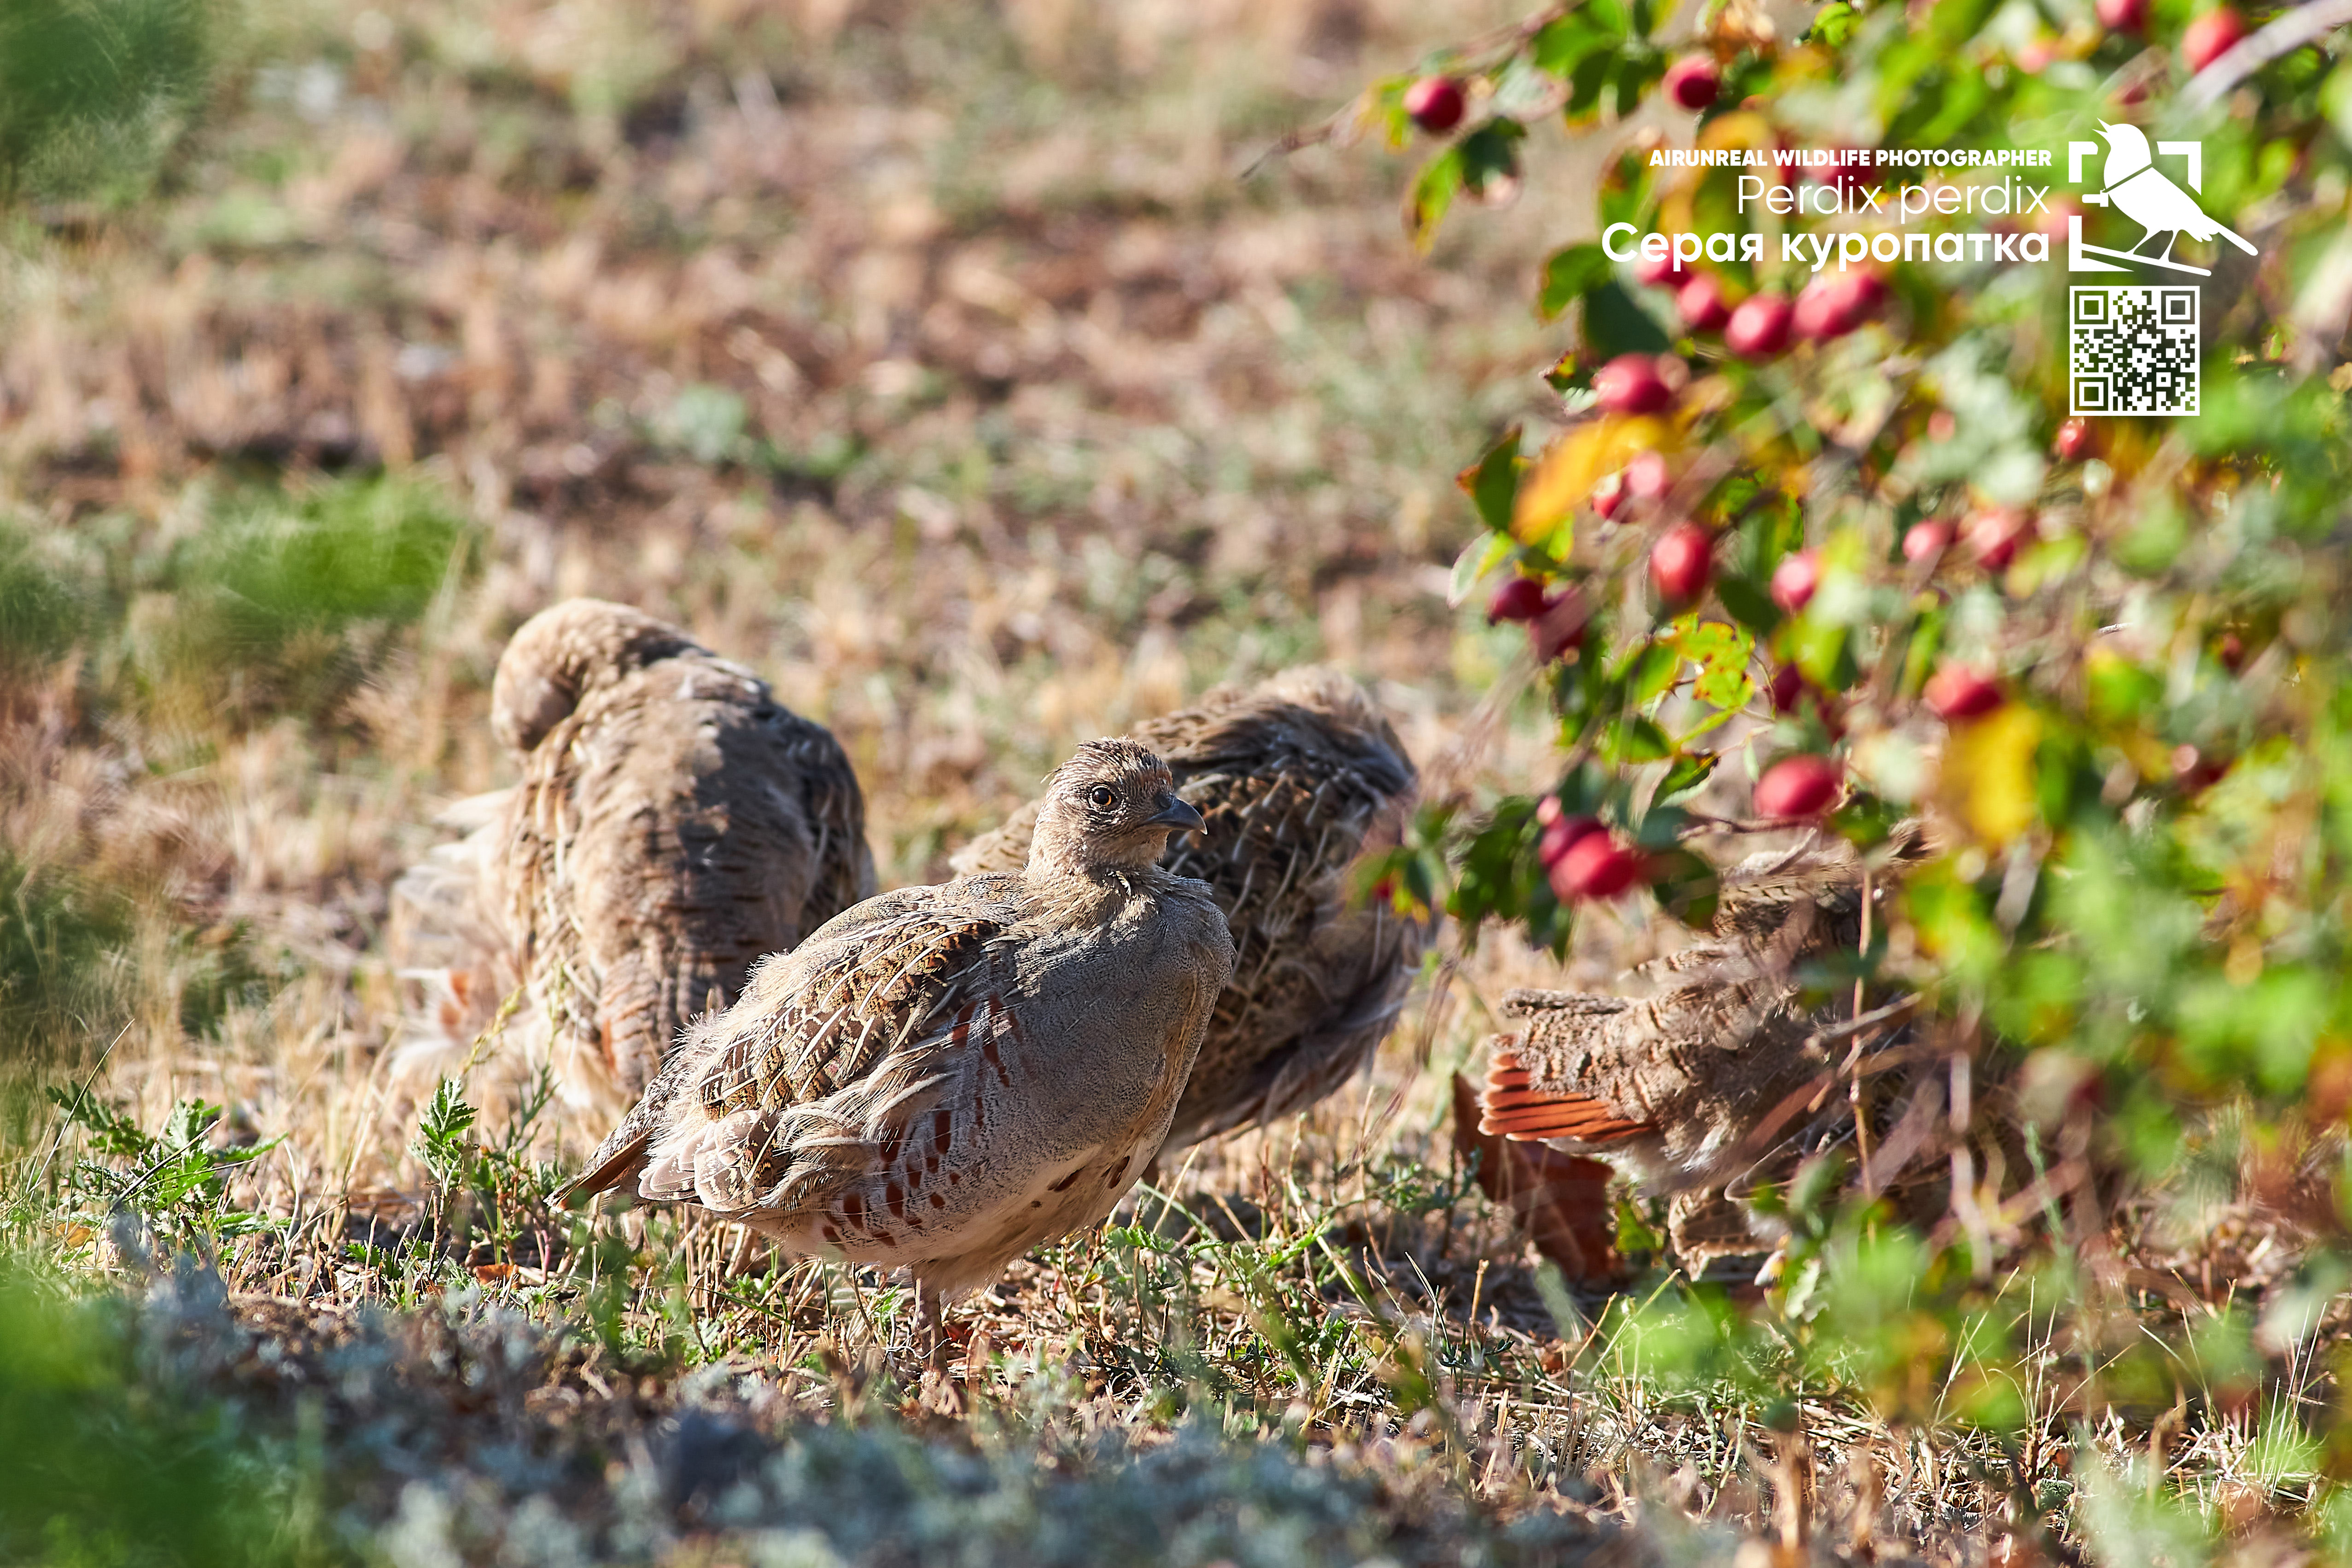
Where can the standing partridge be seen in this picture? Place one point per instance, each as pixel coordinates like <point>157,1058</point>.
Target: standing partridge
<point>673,824</point>
<point>942,1078</point>
<point>1296,778</point>
<point>1721,1077</point>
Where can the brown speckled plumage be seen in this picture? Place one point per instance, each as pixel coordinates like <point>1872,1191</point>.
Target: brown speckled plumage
<point>1295,777</point>
<point>1706,1082</point>
<point>674,823</point>
<point>944,1077</point>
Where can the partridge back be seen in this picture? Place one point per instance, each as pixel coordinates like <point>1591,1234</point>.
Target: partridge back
<point>1296,778</point>
<point>674,823</point>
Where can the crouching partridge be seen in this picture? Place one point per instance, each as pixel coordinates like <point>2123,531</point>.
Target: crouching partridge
<point>942,1078</point>
<point>1294,778</point>
<point>1725,1077</point>
<point>674,823</point>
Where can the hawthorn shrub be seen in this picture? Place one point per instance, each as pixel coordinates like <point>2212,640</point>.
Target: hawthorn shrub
<point>2105,655</point>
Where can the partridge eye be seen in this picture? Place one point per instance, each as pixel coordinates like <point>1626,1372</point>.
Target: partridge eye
<point>1100,798</point>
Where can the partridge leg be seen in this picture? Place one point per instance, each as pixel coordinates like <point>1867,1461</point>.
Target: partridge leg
<point>930,1334</point>
<point>939,1393</point>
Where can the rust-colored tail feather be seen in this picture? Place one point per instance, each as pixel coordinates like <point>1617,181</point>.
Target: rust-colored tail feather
<point>1513,1108</point>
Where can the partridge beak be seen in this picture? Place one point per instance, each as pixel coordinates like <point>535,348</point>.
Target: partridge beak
<point>1178,815</point>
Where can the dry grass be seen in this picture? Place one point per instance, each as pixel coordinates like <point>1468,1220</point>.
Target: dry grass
<point>935,362</point>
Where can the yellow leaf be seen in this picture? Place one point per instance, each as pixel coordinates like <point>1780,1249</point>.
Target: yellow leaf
<point>1988,774</point>
<point>1563,478</point>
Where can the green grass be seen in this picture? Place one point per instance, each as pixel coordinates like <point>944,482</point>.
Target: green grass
<point>95,94</point>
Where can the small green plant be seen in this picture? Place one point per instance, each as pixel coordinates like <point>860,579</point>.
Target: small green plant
<point>176,1180</point>
<point>95,98</point>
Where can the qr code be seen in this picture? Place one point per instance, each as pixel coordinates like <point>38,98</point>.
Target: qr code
<point>2135,351</point>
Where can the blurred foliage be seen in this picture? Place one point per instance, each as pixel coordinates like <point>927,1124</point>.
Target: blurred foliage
<point>112,1468</point>
<point>94,94</point>
<point>64,976</point>
<point>271,599</point>
<point>2139,907</point>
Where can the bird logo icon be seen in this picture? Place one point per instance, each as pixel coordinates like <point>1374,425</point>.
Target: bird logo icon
<point>2144,194</point>
<point>2132,185</point>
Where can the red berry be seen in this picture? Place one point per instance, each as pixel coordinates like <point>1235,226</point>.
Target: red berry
<point>2123,15</point>
<point>1957,692</point>
<point>1799,786</point>
<point>2211,37</point>
<point>1610,494</point>
<point>1561,626</point>
<point>1679,563</point>
<point>1519,598</point>
<point>1694,81</point>
<point>1562,833</point>
<point>1594,866</point>
<point>1794,580</point>
<point>1760,327</point>
<point>1435,104</point>
<point>1786,686</point>
<point>1701,303</point>
<point>1645,476</point>
<point>1833,307</point>
<point>2231,650</point>
<point>1995,536</point>
<point>1925,541</point>
<point>2193,770</point>
<point>1659,271</point>
<point>2074,441</point>
<point>1631,383</point>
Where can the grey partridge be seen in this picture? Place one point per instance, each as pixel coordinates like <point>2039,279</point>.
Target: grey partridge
<point>1722,1075</point>
<point>1296,778</point>
<point>674,823</point>
<point>942,1078</point>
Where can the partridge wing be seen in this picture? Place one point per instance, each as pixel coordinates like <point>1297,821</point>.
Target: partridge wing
<point>866,988</point>
<point>866,1003</point>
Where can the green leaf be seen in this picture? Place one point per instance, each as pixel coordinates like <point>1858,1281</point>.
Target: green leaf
<point>1614,324</point>
<point>1432,192</point>
<point>1749,605</point>
<point>1823,654</point>
<point>1687,886</point>
<point>1479,557</point>
<point>1491,154</point>
<point>1635,739</point>
<point>1654,672</point>
<point>1570,273</point>
<point>1687,777</point>
<point>1585,84</point>
<point>1834,25</point>
<point>1562,45</point>
<point>1722,651</point>
<point>1492,482</point>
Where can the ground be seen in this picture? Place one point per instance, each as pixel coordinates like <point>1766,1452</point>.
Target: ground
<point>964,372</point>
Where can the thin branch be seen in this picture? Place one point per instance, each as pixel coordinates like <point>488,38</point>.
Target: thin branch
<point>2283,35</point>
